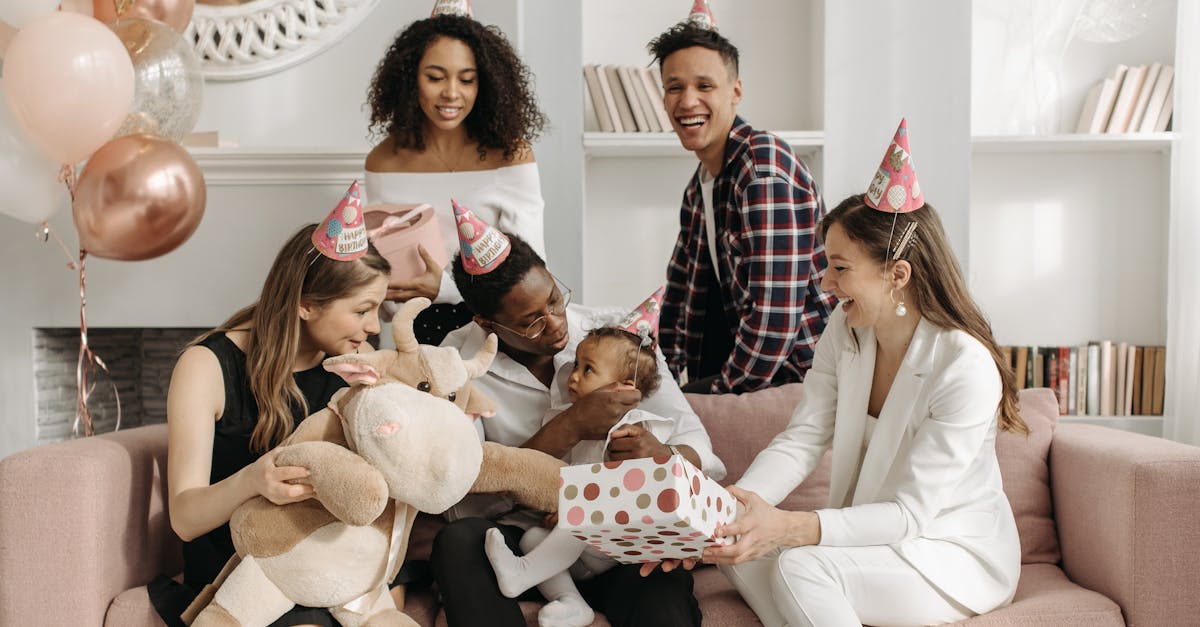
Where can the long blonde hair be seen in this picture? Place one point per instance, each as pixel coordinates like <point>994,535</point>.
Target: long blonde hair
<point>937,287</point>
<point>300,274</point>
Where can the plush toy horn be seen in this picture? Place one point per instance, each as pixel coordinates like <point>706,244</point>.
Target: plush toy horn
<point>402,324</point>
<point>483,359</point>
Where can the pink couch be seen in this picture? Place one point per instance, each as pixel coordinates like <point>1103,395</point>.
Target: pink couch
<point>1109,523</point>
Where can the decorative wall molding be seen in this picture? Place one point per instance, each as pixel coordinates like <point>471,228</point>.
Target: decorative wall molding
<point>235,42</point>
<point>279,166</point>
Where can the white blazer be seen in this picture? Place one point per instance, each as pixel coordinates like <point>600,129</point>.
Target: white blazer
<point>928,484</point>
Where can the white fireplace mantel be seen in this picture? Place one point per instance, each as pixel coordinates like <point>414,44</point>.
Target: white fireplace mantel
<point>279,166</point>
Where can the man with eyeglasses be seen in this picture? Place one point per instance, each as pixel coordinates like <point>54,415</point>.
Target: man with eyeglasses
<point>538,328</point>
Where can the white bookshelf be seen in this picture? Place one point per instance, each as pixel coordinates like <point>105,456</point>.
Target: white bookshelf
<point>1069,232</point>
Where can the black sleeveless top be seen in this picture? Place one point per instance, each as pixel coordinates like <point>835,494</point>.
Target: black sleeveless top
<point>204,557</point>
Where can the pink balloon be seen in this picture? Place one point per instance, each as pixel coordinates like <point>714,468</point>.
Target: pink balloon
<point>69,81</point>
<point>139,197</point>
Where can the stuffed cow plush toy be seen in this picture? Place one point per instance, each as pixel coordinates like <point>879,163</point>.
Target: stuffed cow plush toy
<point>399,441</point>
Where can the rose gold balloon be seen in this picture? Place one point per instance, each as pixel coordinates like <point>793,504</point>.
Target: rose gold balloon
<point>139,197</point>
<point>174,13</point>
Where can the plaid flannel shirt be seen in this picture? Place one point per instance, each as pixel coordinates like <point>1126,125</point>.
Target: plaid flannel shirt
<point>766,207</point>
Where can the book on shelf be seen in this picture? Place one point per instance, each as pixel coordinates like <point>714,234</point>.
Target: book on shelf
<point>1131,99</point>
<point>1164,116</point>
<point>1093,379</point>
<point>1159,96</point>
<point>596,94</point>
<point>1108,395</point>
<point>1100,378</point>
<point>1143,98</point>
<point>654,89</point>
<point>626,99</point>
<point>1130,357</point>
<point>1160,368</point>
<point>610,100</point>
<point>1122,112</point>
<point>1119,379</point>
<point>1147,380</point>
<point>1081,381</point>
<point>635,98</point>
<point>621,98</point>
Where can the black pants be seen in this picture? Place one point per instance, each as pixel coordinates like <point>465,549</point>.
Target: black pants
<point>472,598</point>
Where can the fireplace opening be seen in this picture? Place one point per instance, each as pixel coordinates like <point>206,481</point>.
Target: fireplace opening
<point>139,360</point>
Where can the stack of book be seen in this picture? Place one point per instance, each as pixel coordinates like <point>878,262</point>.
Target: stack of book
<point>1134,99</point>
<point>626,99</point>
<point>1096,379</point>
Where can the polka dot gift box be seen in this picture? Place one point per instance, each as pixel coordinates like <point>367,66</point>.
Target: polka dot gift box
<point>643,510</point>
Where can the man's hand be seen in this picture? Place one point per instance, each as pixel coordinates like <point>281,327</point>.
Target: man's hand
<point>634,442</point>
<point>593,415</point>
<point>426,285</point>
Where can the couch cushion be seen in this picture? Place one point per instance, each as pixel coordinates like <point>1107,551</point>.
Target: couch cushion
<point>132,608</point>
<point>1025,469</point>
<point>1046,597</point>
<point>741,425</point>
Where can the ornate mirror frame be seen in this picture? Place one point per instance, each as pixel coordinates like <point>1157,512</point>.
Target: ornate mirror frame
<point>237,42</point>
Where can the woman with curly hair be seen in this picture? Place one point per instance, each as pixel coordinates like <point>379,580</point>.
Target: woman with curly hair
<point>457,109</point>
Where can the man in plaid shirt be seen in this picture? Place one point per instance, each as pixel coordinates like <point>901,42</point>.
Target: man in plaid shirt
<point>743,306</point>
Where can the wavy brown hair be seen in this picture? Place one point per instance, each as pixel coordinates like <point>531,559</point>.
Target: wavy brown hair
<point>506,114</point>
<point>936,286</point>
<point>299,275</point>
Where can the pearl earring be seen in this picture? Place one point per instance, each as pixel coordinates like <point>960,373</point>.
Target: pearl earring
<point>901,310</point>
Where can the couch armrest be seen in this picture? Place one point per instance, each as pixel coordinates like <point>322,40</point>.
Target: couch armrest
<point>80,522</point>
<point>1127,508</point>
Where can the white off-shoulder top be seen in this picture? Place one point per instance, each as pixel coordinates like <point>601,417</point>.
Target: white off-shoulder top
<point>508,198</point>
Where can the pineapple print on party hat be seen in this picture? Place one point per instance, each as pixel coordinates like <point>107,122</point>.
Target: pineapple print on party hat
<point>895,188</point>
<point>643,320</point>
<point>343,234</point>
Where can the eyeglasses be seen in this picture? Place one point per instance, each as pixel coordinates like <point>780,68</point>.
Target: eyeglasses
<point>535,328</point>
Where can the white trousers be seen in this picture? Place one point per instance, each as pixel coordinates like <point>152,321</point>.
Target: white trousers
<point>823,586</point>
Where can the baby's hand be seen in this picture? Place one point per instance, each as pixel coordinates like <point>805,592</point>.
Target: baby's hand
<point>634,442</point>
<point>550,521</point>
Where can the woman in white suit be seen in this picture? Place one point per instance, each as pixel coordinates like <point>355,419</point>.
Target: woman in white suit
<point>908,387</point>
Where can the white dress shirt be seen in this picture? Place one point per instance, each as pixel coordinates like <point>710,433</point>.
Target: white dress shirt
<point>522,400</point>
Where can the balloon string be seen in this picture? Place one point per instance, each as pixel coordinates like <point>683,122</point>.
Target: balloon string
<point>87,364</point>
<point>46,233</point>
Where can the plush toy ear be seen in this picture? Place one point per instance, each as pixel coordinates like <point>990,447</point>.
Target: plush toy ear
<point>478,405</point>
<point>366,369</point>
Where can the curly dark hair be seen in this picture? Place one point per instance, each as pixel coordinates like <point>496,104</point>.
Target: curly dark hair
<point>506,113</point>
<point>686,35</point>
<point>641,365</point>
<point>482,293</point>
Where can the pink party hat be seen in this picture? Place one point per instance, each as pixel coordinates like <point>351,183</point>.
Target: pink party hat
<point>343,234</point>
<point>482,247</point>
<point>895,188</point>
<point>643,320</point>
<point>461,8</point>
<point>702,16</point>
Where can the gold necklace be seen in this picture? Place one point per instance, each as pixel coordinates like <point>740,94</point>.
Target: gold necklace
<point>452,168</point>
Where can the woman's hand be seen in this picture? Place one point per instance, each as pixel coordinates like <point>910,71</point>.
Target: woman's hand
<point>760,529</point>
<point>634,442</point>
<point>278,484</point>
<point>426,285</point>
